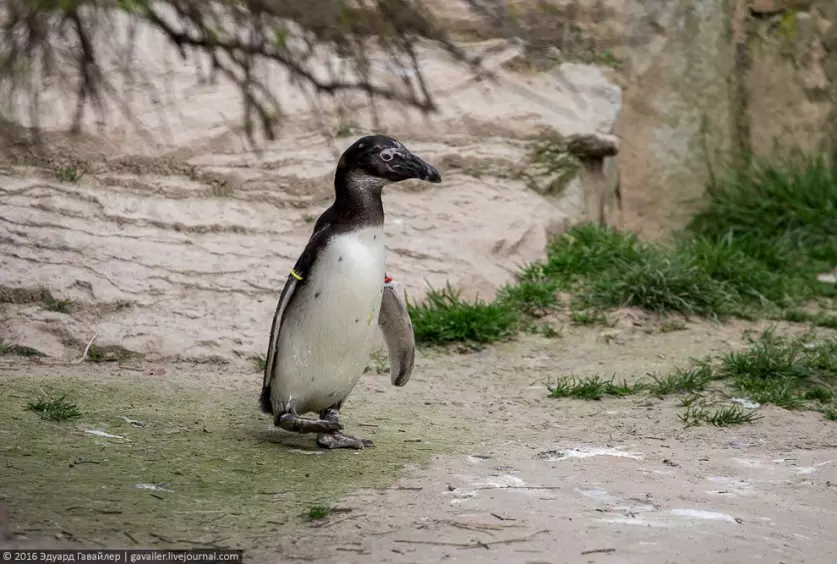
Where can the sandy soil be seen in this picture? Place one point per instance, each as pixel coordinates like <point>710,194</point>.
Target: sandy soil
<point>472,461</point>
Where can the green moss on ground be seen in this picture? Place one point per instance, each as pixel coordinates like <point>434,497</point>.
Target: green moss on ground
<point>234,480</point>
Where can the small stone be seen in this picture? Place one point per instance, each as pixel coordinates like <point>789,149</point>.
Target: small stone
<point>766,7</point>
<point>830,278</point>
<point>593,145</point>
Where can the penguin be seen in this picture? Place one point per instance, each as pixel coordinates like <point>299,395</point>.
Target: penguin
<point>336,298</point>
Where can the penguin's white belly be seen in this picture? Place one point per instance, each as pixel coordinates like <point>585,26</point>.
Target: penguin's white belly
<point>328,333</point>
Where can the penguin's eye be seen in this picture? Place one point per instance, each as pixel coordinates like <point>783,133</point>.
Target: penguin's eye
<point>388,154</point>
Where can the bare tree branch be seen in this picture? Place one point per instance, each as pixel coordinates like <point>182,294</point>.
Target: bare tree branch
<point>59,42</point>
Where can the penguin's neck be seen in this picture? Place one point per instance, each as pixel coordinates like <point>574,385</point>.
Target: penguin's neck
<point>358,195</point>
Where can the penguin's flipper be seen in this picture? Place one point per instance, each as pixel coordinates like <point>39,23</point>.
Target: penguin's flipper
<point>295,278</point>
<point>270,359</point>
<point>400,340</point>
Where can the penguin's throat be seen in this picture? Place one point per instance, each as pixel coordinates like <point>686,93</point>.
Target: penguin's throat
<point>361,186</point>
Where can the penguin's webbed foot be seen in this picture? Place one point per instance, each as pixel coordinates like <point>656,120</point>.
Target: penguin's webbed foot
<point>295,423</point>
<point>339,440</point>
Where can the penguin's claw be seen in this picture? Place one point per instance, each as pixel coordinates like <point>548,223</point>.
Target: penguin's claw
<point>295,423</point>
<point>332,415</point>
<point>339,440</point>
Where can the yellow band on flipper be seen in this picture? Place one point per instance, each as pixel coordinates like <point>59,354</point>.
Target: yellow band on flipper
<point>295,275</point>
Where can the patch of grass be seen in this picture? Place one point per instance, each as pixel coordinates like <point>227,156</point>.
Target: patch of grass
<point>550,332</point>
<point>691,399</point>
<point>347,130</point>
<point>605,269</point>
<point>584,251</point>
<point>208,445</point>
<point>591,388</point>
<point>552,167</point>
<point>60,306</point>
<point>681,380</point>
<point>818,319</point>
<point>69,173</point>
<point>109,353</point>
<point>608,59</point>
<point>786,372</point>
<point>259,361</point>
<point>40,296</point>
<point>56,409</point>
<point>671,325</point>
<point>318,512</point>
<point>590,317</point>
<point>9,349</point>
<point>719,417</point>
<point>444,317</point>
<point>535,297</point>
<point>781,213</point>
<point>754,251</point>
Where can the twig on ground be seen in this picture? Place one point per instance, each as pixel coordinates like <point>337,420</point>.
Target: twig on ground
<point>475,544</point>
<point>599,551</point>
<point>334,522</point>
<point>501,518</point>
<point>480,527</point>
<point>518,488</point>
<point>87,349</point>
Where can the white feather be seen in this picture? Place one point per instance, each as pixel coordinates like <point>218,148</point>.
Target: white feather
<point>329,332</point>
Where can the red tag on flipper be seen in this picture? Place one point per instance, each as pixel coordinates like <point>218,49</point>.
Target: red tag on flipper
<point>387,279</point>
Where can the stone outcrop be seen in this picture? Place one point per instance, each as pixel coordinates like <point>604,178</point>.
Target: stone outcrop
<point>180,246</point>
<point>702,82</point>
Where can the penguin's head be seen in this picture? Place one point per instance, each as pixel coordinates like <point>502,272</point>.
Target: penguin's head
<point>384,158</point>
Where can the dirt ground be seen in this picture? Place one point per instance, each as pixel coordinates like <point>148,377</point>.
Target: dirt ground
<point>473,461</point>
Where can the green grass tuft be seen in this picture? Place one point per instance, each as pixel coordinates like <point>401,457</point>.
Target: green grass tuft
<point>590,317</point>
<point>782,371</point>
<point>535,297</point>
<point>56,409</point>
<point>69,173</point>
<point>109,353</point>
<point>591,388</point>
<point>60,306</point>
<point>719,417</point>
<point>818,319</point>
<point>259,362</point>
<point>347,130</point>
<point>788,372</point>
<point>444,317</point>
<point>681,380</point>
<point>318,512</point>
<point>671,325</point>
<point>9,349</point>
<point>781,213</point>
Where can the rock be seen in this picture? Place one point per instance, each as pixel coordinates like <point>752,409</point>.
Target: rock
<point>593,146</point>
<point>198,233</point>
<point>767,7</point>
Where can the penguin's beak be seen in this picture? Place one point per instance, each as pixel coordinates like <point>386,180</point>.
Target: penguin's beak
<point>422,170</point>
